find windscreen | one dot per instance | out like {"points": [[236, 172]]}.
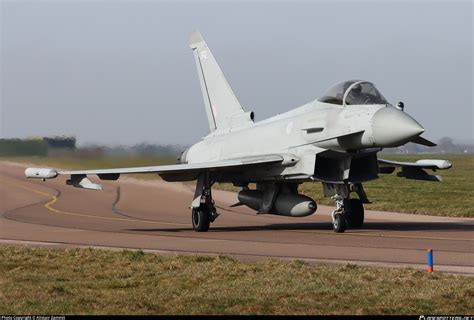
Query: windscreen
{"points": [[335, 94], [364, 93], [358, 93]]}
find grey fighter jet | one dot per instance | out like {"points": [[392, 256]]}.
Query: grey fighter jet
{"points": [[333, 140]]}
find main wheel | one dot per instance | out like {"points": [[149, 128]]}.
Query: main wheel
{"points": [[339, 223], [355, 213], [201, 219]]}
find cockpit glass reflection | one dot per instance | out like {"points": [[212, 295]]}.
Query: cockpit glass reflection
{"points": [[355, 92]]}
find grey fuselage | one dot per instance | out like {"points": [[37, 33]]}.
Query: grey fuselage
{"points": [[305, 132]]}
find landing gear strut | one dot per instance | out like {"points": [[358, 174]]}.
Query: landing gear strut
{"points": [[203, 208], [339, 214], [348, 212]]}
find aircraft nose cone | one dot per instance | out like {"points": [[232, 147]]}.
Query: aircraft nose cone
{"points": [[392, 127]]}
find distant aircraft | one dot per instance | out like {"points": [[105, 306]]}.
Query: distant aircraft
{"points": [[333, 140]]}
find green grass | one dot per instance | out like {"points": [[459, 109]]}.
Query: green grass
{"points": [[452, 197], [91, 281]]}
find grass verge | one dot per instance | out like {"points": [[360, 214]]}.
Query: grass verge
{"points": [[93, 281]]}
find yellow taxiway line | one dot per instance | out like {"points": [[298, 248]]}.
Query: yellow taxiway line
{"points": [[54, 199]]}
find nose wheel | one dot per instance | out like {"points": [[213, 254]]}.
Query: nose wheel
{"points": [[348, 212], [355, 213], [339, 223]]}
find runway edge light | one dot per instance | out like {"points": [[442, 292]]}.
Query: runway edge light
{"points": [[430, 260]]}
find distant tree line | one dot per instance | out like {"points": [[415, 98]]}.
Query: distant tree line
{"points": [[145, 149], [444, 145], [60, 146], [35, 146], [66, 146], [26, 147]]}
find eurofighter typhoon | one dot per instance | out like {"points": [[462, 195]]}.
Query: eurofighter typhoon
{"points": [[333, 140]]}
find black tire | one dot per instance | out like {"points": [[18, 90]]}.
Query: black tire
{"points": [[201, 219], [339, 224], [355, 213]]}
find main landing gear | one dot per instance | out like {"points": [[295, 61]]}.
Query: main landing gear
{"points": [[203, 208], [348, 212], [203, 216]]}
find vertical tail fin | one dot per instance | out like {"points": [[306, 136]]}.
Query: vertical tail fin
{"points": [[222, 106]]}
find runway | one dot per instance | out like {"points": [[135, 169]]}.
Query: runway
{"points": [[154, 215]]}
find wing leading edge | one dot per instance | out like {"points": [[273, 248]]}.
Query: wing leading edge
{"points": [[79, 177], [211, 165]]}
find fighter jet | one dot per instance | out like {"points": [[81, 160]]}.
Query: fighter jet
{"points": [[333, 140]]}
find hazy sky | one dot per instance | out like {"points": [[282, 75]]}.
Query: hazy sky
{"points": [[121, 72]]}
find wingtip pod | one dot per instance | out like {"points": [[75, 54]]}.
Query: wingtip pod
{"points": [[195, 39], [41, 173], [440, 164]]}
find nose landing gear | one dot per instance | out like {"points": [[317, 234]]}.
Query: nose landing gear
{"points": [[348, 212], [355, 213], [339, 214]]}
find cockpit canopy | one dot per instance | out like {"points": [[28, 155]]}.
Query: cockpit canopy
{"points": [[353, 92]]}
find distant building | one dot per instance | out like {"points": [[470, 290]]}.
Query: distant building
{"points": [[60, 142]]}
